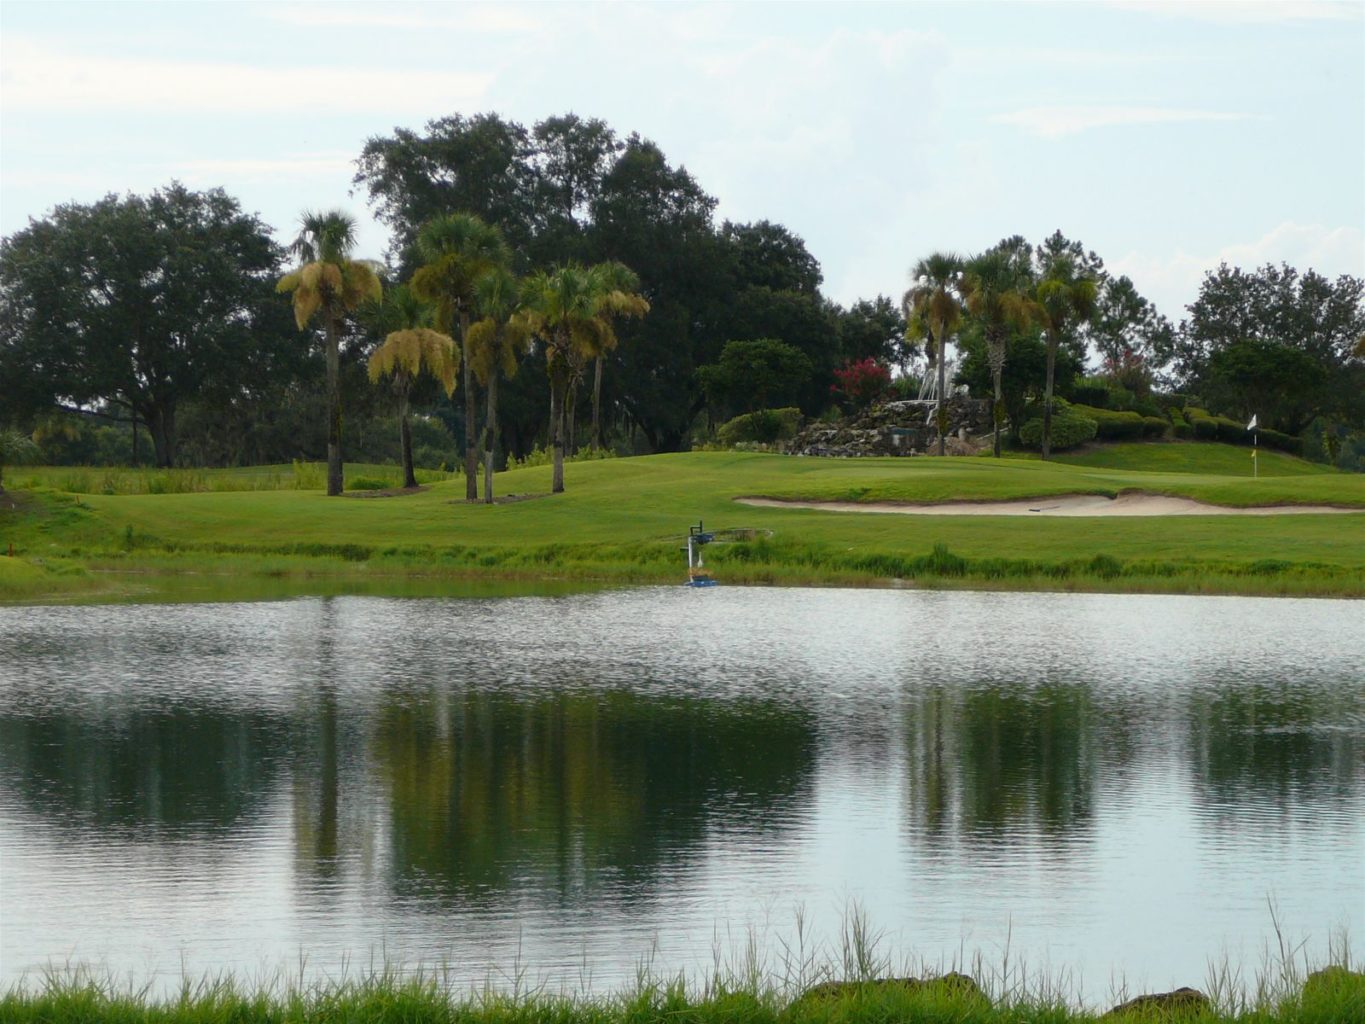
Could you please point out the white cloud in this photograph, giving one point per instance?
(37, 77)
(492, 20)
(1248, 11)
(1050, 59)
(311, 167)
(1057, 122)
(1172, 282)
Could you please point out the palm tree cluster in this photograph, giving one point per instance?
(464, 285)
(999, 291)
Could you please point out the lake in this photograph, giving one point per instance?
(566, 787)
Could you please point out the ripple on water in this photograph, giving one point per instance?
(571, 784)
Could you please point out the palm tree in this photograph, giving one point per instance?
(496, 344)
(560, 306)
(992, 287)
(934, 302)
(329, 282)
(571, 308)
(1062, 298)
(619, 286)
(411, 347)
(457, 250)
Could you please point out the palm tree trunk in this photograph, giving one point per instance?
(556, 436)
(490, 436)
(1047, 396)
(471, 445)
(942, 386)
(571, 415)
(405, 438)
(333, 408)
(596, 440)
(997, 361)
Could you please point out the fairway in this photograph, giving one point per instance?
(623, 519)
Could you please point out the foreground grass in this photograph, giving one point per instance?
(622, 520)
(1336, 996)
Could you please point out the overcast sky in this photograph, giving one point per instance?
(1165, 136)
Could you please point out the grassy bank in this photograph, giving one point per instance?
(1334, 996)
(622, 520)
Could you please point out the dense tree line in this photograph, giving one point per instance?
(155, 319)
(1030, 321)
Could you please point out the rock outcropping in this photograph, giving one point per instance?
(897, 428)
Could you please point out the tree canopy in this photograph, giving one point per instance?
(134, 302)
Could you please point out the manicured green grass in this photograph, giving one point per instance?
(624, 519)
(1192, 457)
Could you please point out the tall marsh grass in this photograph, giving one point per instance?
(301, 476)
(788, 984)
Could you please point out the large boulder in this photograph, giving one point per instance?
(1160, 1006)
(952, 984)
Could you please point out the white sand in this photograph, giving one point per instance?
(1059, 505)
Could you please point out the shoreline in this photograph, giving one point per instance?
(1287, 992)
(193, 577)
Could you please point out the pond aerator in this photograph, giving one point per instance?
(697, 576)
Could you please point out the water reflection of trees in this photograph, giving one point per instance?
(1275, 745)
(568, 791)
(150, 770)
(995, 761)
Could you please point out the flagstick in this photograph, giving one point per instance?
(1255, 462)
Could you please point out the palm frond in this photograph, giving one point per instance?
(326, 235)
(307, 301)
(414, 350)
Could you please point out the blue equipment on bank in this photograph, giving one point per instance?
(697, 576)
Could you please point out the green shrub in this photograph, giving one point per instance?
(1181, 430)
(764, 426)
(308, 476)
(369, 483)
(1230, 431)
(538, 456)
(1091, 391)
(1068, 430)
(1154, 426)
(1111, 425)
(1282, 442)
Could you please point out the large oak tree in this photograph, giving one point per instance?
(132, 303)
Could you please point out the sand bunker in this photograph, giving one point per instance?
(1058, 505)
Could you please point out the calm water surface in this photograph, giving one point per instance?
(569, 784)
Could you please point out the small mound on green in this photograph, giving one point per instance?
(1192, 457)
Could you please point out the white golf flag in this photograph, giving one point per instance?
(1252, 424)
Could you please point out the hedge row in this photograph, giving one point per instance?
(1121, 426)
(1068, 430)
(1220, 428)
